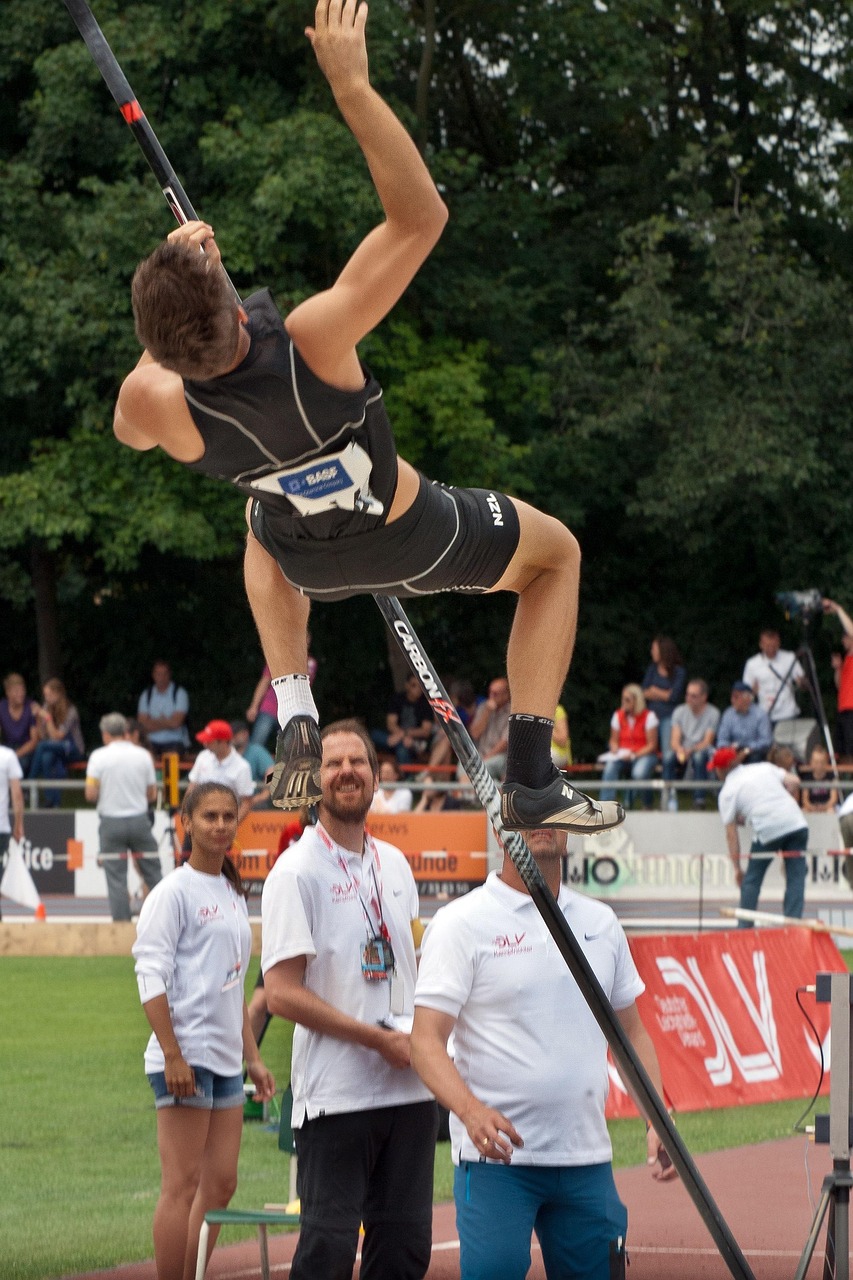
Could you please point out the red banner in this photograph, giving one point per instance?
(722, 1011)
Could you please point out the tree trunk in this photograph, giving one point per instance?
(43, 566)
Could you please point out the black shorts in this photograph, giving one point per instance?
(449, 540)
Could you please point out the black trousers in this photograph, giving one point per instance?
(374, 1167)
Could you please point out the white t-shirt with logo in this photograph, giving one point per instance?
(312, 907)
(124, 772)
(525, 1040)
(10, 768)
(193, 942)
(233, 771)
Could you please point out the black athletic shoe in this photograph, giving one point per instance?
(295, 780)
(557, 805)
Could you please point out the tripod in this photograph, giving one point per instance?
(837, 990)
(805, 656)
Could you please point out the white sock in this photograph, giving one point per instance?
(294, 697)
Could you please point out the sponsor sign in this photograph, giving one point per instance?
(43, 850)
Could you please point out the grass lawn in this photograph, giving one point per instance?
(78, 1158)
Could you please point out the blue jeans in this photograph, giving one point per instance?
(696, 769)
(51, 760)
(575, 1211)
(262, 728)
(641, 768)
(795, 875)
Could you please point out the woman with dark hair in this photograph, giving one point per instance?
(192, 948)
(60, 738)
(664, 684)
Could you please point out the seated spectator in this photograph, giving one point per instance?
(409, 724)
(60, 738)
(136, 734)
(822, 797)
(259, 760)
(691, 743)
(561, 743)
(390, 798)
(745, 726)
(663, 685)
(466, 702)
(162, 711)
(19, 729)
(633, 750)
(490, 727)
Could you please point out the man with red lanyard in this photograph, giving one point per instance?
(339, 961)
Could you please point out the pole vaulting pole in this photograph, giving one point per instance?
(630, 1067)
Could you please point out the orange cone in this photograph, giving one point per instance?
(40, 914)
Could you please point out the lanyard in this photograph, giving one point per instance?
(375, 898)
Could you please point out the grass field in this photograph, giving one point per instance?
(78, 1162)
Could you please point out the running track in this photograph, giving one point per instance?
(766, 1194)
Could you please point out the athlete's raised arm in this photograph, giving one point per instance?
(327, 326)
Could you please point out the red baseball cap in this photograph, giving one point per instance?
(723, 757)
(215, 731)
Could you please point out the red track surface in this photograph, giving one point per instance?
(762, 1192)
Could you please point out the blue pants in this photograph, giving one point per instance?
(795, 875)
(575, 1212)
(641, 768)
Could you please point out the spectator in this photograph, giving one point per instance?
(162, 711)
(11, 790)
(19, 728)
(745, 726)
(190, 974)
(490, 727)
(339, 961)
(822, 796)
(633, 749)
(466, 702)
(262, 711)
(390, 798)
(842, 666)
(527, 1089)
(121, 782)
(691, 743)
(772, 674)
(764, 796)
(60, 738)
(664, 684)
(260, 760)
(219, 762)
(561, 743)
(409, 724)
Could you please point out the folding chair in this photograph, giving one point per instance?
(262, 1218)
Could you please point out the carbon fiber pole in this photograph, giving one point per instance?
(629, 1065)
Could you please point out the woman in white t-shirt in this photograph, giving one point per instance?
(192, 948)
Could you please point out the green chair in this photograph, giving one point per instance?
(262, 1218)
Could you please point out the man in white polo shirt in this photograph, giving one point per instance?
(764, 796)
(220, 762)
(120, 780)
(339, 961)
(528, 1082)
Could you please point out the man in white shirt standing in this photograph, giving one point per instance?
(528, 1082)
(764, 796)
(773, 674)
(339, 961)
(120, 780)
(11, 774)
(220, 762)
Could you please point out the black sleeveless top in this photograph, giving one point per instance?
(321, 461)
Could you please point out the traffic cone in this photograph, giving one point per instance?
(40, 913)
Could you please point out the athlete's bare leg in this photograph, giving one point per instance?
(545, 574)
(281, 616)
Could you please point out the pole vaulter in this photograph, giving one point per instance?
(630, 1068)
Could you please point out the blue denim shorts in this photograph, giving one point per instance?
(212, 1092)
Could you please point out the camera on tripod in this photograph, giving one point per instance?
(801, 604)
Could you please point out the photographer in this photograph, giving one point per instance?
(772, 674)
(842, 665)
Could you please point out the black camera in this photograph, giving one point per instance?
(801, 604)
